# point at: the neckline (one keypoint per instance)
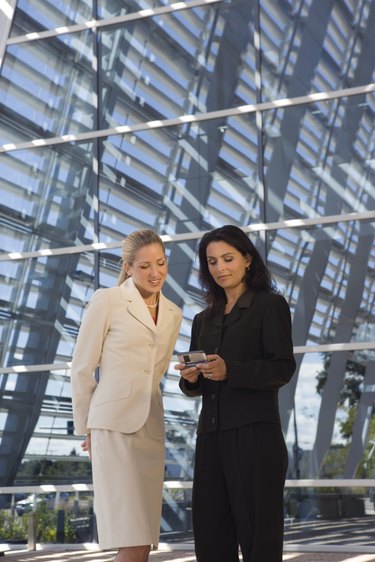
(154, 318)
(154, 305)
(234, 303)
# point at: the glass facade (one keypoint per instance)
(184, 117)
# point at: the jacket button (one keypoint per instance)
(213, 396)
(213, 420)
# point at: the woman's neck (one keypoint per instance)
(232, 297)
(152, 301)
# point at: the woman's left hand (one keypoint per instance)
(215, 369)
(86, 445)
(190, 374)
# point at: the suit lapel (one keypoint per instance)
(164, 314)
(244, 301)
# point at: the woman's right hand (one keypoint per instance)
(86, 445)
(190, 374)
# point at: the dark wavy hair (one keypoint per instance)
(257, 277)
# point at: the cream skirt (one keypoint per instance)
(128, 474)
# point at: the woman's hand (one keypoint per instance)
(86, 445)
(215, 369)
(190, 374)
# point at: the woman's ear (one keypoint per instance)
(249, 259)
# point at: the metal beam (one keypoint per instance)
(7, 9)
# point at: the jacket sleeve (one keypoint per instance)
(86, 357)
(188, 388)
(277, 364)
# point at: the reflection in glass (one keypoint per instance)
(173, 64)
(38, 79)
(306, 48)
(318, 158)
(180, 179)
(37, 15)
(325, 272)
(331, 432)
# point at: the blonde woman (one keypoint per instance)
(129, 332)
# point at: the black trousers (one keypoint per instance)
(238, 494)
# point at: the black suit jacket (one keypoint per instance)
(255, 342)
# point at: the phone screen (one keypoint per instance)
(191, 358)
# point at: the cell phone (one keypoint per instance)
(191, 358)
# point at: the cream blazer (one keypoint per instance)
(119, 336)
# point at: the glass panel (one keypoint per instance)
(113, 8)
(319, 158)
(326, 274)
(46, 193)
(180, 179)
(331, 428)
(308, 48)
(47, 88)
(38, 15)
(190, 61)
(42, 307)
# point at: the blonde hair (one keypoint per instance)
(134, 242)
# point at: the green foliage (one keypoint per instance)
(346, 426)
(349, 397)
(15, 528)
(12, 528)
(366, 468)
(46, 525)
(350, 392)
(353, 378)
(46, 521)
(334, 462)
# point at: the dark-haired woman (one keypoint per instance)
(241, 458)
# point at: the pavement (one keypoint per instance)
(164, 555)
(351, 540)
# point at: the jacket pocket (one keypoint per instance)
(111, 391)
